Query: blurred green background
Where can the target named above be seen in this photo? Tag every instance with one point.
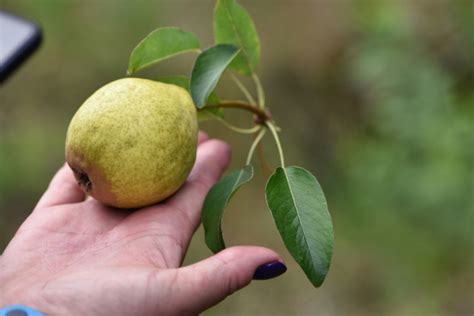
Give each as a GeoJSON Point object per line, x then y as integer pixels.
{"type": "Point", "coordinates": [374, 97]}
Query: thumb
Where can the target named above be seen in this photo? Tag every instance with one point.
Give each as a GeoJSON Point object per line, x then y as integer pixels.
{"type": "Point", "coordinates": [208, 282]}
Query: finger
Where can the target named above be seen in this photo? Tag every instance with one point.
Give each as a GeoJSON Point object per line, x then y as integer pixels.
{"type": "Point", "coordinates": [213, 157]}
{"type": "Point", "coordinates": [178, 217]}
{"type": "Point", "coordinates": [208, 282]}
{"type": "Point", "coordinates": [202, 137]}
{"type": "Point", "coordinates": [63, 189]}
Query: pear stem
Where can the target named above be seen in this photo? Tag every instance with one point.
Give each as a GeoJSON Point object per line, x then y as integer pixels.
{"type": "Point", "coordinates": [261, 114]}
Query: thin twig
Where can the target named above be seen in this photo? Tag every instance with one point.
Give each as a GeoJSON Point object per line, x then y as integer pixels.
{"type": "Point", "coordinates": [261, 114]}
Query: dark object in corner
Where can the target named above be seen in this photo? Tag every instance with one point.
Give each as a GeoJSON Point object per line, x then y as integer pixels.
{"type": "Point", "coordinates": [19, 38]}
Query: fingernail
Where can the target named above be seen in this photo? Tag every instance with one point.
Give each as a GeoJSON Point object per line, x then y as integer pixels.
{"type": "Point", "coordinates": [269, 270]}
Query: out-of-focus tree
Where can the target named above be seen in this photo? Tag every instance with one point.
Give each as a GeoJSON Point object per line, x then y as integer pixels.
{"type": "Point", "coordinates": [410, 174]}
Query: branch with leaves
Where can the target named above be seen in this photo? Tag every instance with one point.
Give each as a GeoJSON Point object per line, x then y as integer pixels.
{"type": "Point", "coordinates": [293, 194]}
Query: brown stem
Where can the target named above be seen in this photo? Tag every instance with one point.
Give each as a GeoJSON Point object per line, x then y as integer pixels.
{"type": "Point", "coordinates": [262, 115]}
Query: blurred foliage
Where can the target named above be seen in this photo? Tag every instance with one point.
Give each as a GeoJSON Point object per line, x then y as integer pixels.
{"type": "Point", "coordinates": [409, 176]}
{"type": "Point", "coordinates": [382, 111]}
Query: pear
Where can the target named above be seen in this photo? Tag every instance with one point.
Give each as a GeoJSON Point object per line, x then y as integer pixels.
{"type": "Point", "coordinates": [133, 142]}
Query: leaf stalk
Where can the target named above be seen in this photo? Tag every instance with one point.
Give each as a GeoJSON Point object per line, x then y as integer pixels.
{"type": "Point", "coordinates": [240, 130]}
{"type": "Point", "coordinates": [256, 141]}
{"type": "Point", "coordinates": [273, 130]}
{"type": "Point", "coordinates": [260, 93]}
{"type": "Point", "coordinates": [243, 89]}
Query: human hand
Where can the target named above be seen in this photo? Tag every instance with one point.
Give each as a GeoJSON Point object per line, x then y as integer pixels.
{"type": "Point", "coordinates": [75, 256]}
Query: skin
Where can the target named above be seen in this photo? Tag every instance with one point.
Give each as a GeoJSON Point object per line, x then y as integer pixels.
{"type": "Point", "coordinates": [75, 256]}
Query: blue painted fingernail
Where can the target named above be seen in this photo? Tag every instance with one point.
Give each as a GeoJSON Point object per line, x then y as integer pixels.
{"type": "Point", "coordinates": [269, 270]}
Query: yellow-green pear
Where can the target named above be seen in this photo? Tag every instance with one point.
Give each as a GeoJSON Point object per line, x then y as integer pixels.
{"type": "Point", "coordinates": [133, 142]}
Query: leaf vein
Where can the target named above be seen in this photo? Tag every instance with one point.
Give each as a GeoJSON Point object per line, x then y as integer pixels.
{"type": "Point", "coordinates": [239, 38]}
{"type": "Point", "coordinates": [299, 219]}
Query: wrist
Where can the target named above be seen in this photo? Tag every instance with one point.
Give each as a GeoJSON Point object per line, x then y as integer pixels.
{"type": "Point", "coordinates": [19, 310]}
{"type": "Point", "coordinates": [11, 300]}
{"type": "Point", "coordinates": [26, 292]}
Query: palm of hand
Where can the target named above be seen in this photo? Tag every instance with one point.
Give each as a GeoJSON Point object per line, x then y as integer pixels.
{"type": "Point", "coordinates": [75, 256]}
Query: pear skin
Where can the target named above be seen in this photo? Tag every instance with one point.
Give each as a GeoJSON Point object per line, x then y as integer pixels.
{"type": "Point", "coordinates": [133, 142]}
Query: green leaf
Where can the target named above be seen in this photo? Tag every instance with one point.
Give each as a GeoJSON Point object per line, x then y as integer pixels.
{"type": "Point", "coordinates": [300, 212]}
{"type": "Point", "coordinates": [233, 25]}
{"type": "Point", "coordinates": [209, 114]}
{"type": "Point", "coordinates": [180, 81]}
{"type": "Point", "coordinates": [203, 114]}
{"type": "Point", "coordinates": [207, 70]}
{"type": "Point", "coordinates": [215, 203]}
{"type": "Point", "coordinates": [161, 44]}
